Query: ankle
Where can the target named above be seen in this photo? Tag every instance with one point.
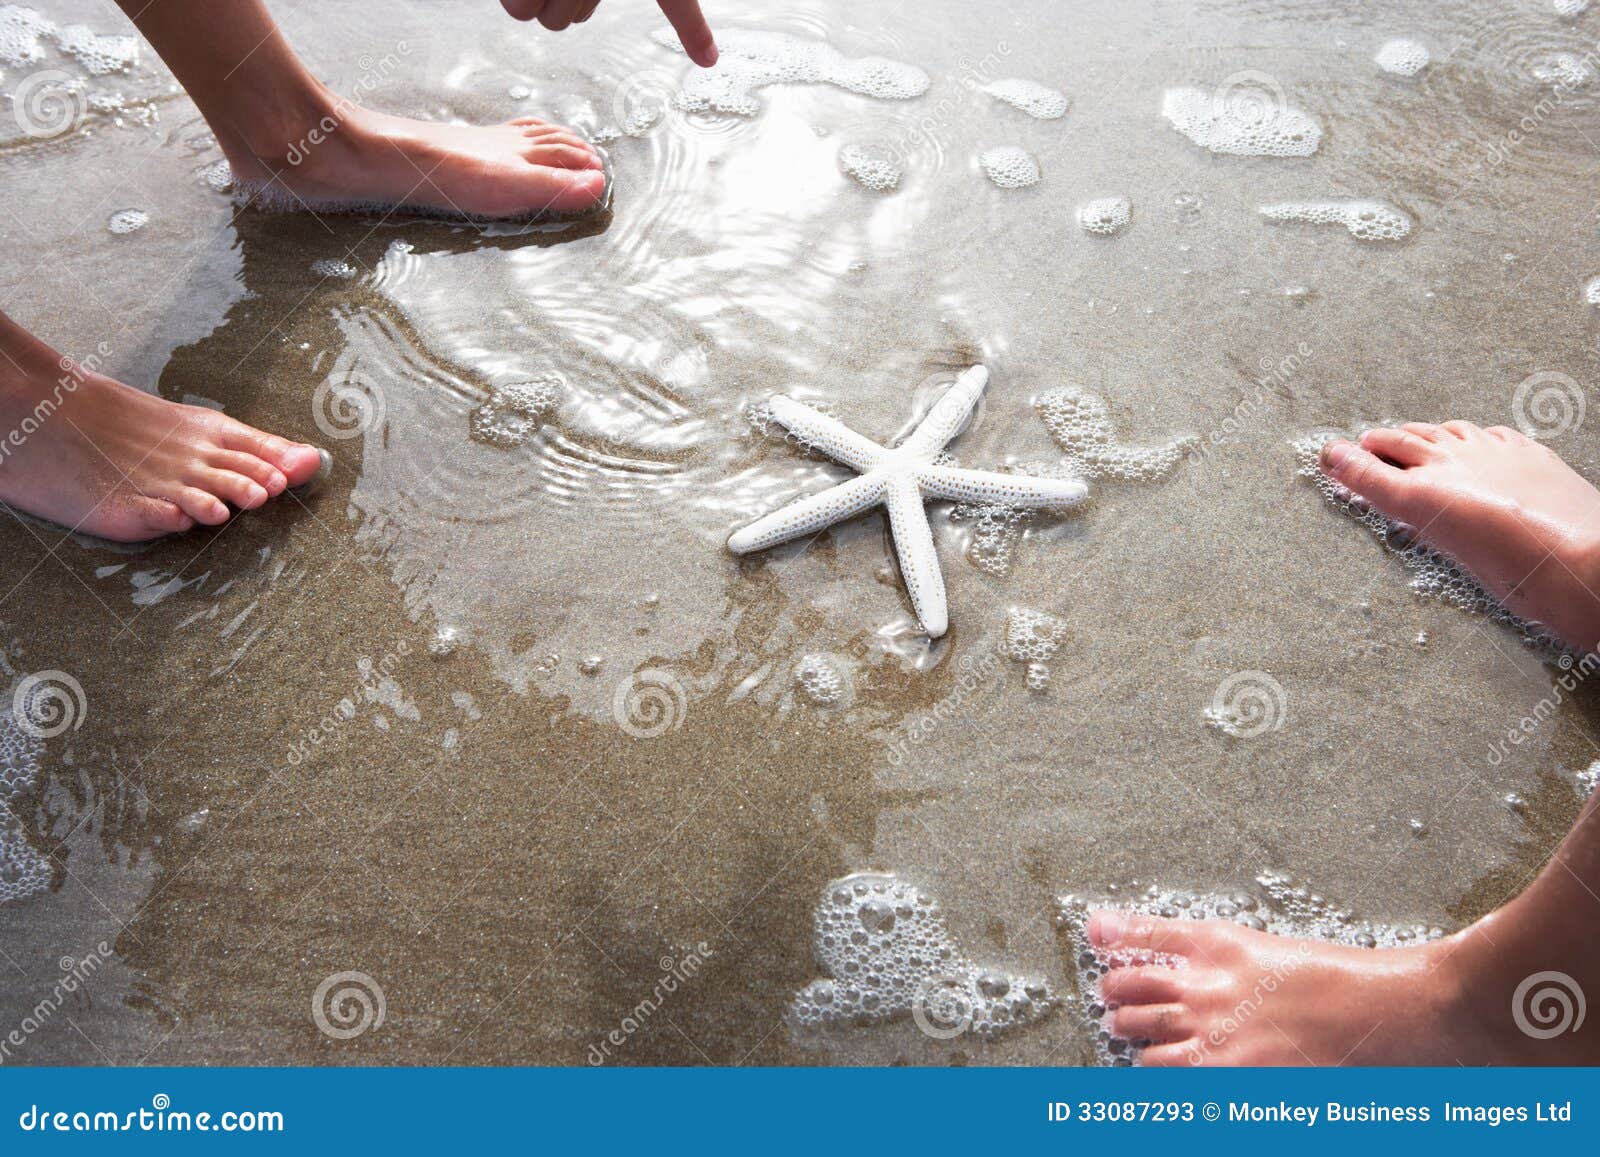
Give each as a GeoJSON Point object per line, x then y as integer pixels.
{"type": "Point", "coordinates": [272, 134]}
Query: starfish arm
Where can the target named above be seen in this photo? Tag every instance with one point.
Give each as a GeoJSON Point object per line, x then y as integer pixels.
{"type": "Point", "coordinates": [919, 562]}
{"type": "Point", "coordinates": [808, 515]}
{"type": "Point", "coordinates": [948, 413]}
{"type": "Point", "coordinates": [829, 435]}
{"type": "Point", "coordinates": [990, 488]}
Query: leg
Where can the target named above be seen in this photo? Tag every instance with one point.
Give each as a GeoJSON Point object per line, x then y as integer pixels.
{"type": "Point", "coordinates": [1529, 527]}
{"type": "Point", "coordinates": [92, 454]}
{"type": "Point", "coordinates": [295, 143]}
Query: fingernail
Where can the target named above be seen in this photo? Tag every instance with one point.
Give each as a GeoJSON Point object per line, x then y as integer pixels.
{"type": "Point", "coordinates": [1334, 454]}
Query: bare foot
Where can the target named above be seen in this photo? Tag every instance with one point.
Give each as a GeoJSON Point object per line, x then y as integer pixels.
{"type": "Point", "coordinates": [103, 458]}
{"type": "Point", "coordinates": [1497, 502]}
{"type": "Point", "coordinates": [1223, 994]}
{"type": "Point", "coordinates": [520, 169]}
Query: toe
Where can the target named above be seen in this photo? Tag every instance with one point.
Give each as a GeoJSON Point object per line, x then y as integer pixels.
{"type": "Point", "coordinates": [296, 460]}
{"type": "Point", "coordinates": [258, 470]}
{"type": "Point", "coordinates": [1462, 430]}
{"type": "Point", "coordinates": [573, 190]}
{"type": "Point", "coordinates": [1141, 985]}
{"type": "Point", "coordinates": [162, 516]}
{"type": "Point", "coordinates": [206, 509]}
{"type": "Point", "coordinates": [1130, 932]}
{"type": "Point", "coordinates": [522, 122]}
{"type": "Point", "coordinates": [1507, 434]}
{"type": "Point", "coordinates": [230, 487]}
{"type": "Point", "coordinates": [1363, 473]}
{"type": "Point", "coordinates": [1427, 431]}
{"type": "Point", "coordinates": [1180, 1054]}
{"type": "Point", "coordinates": [561, 156]}
{"type": "Point", "coordinates": [1157, 1023]}
{"type": "Point", "coordinates": [1403, 447]}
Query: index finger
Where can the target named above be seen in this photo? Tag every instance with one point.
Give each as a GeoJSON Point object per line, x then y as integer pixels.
{"type": "Point", "coordinates": [693, 31]}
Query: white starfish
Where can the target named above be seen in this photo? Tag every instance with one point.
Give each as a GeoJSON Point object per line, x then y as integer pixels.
{"type": "Point", "coordinates": [900, 477]}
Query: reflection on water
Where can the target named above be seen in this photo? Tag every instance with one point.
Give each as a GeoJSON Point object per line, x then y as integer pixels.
{"type": "Point", "coordinates": [495, 720]}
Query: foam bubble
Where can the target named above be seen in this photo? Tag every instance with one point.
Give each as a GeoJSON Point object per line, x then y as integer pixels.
{"type": "Point", "coordinates": [888, 955]}
{"type": "Point", "coordinates": [1105, 216]}
{"type": "Point", "coordinates": [1564, 70]}
{"type": "Point", "coordinates": [1571, 7]}
{"type": "Point", "coordinates": [1432, 574]}
{"type": "Point", "coordinates": [218, 176]}
{"type": "Point", "coordinates": [1403, 57]}
{"type": "Point", "coordinates": [821, 679]}
{"type": "Point", "coordinates": [751, 60]}
{"type": "Point", "coordinates": [127, 221]}
{"type": "Point", "coordinates": [1240, 123]}
{"type": "Point", "coordinates": [20, 30]}
{"type": "Point", "coordinates": [99, 55]}
{"type": "Point", "coordinates": [1035, 99]}
{"type": "Point", "coordinates": [1010, 167]}
{"type": "Point", "coordinates": [514, 413]}
{"type": "Point", "coordinates": [1588, 779]}
{"type": "Point", "coordinates": [872, 168]}
{"type": "Point", "coordinates": [995, 532]}
{"type": "Point", "coordinates": [1033, 637]}
{"type": "Point", "coordinates": [23, 871]}
{"type": "Point", "coordinates": [1367, 219]}
{"type": "Point", "coordinates": [333, 267]}
{"type": "Point", "coordinates": [1591, 291]}
{"type": "Point", "coordinates": [1081, 424]}
{"type": "Point", "coordinates": [1276, 903]}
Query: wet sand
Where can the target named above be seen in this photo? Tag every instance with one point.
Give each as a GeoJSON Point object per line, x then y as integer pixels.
{"type": "Point", "coordinates": [482, 836]}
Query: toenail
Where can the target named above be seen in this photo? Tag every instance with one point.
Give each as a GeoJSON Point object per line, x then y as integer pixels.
{"type": "Point", "coordinates": [1334, 454]}
{"type": "Point", "coordinates": [1106, 927]}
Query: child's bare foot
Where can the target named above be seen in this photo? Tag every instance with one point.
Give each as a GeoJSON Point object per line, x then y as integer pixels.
{"type": "Point", "coordinates": [1240, 997]}
{"type": "Point", "coordinates": [1497, 502]}
{"type": "Point", "coordinates": [106, 459]}
{"type": "Point", "coordinates": [519, 169]}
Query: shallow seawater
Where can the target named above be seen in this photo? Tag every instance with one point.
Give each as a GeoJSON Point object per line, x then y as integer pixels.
{"type": "Point", "coordinates": [494, 719]}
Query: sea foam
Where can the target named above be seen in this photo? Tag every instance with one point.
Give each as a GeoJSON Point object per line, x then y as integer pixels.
{"type": "Point", "coordinates": [752, 60]}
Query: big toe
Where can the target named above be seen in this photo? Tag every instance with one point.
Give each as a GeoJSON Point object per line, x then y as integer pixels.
{"type": "Point", "coordinates": [573, 190]}
{"type": "Point", "coordinates": [1362, 472]}
{"type": "Point", "coordinates": [300, 463]}
{"type": "Point", "coordinates": [297, 461]}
